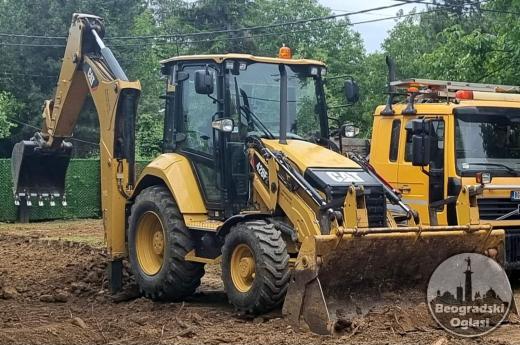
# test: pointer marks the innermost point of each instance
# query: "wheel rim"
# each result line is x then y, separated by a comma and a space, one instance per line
243, 268
150, 243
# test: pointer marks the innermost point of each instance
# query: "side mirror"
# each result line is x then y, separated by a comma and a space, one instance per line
349, 130
204, 82
351, 90
421, 145
223, 125
420, 130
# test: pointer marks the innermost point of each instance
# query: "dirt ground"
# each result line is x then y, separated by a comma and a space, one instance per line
53, 290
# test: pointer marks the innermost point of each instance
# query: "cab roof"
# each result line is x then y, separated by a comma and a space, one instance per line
444, 108
219, 58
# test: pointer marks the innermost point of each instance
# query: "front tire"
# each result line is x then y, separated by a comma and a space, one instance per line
255, 268
158, 241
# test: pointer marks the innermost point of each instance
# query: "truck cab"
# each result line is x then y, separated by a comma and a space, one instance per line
463, 135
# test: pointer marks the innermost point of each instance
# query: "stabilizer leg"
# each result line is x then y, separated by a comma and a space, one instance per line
115, 275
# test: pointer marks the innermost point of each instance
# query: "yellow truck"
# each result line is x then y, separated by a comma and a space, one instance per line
452, 150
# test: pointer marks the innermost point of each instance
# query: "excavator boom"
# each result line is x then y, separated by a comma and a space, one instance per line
39, 165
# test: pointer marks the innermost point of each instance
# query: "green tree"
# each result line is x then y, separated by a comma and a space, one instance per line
8, 108
29, 71
332, 41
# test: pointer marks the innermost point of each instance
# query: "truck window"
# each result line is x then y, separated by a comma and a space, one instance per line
408, 147
488, 139
394, 140
437, 152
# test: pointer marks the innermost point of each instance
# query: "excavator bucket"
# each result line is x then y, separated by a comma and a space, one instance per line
338, 278
39, 175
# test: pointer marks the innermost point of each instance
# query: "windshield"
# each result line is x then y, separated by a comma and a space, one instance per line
488, 141
258, 85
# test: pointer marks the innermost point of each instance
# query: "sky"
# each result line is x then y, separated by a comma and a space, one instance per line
372, 33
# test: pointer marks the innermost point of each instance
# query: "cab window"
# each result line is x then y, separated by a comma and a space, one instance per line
198, 111
394, 140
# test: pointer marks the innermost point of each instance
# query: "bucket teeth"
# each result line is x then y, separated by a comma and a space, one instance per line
42, 199
39, 173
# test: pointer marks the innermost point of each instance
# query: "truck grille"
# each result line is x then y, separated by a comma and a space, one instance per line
492, 208
512, 249
376, 206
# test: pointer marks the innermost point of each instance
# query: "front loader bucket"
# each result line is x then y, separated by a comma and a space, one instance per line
338, 278
39, 174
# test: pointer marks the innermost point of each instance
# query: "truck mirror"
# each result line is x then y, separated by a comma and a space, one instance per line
420, 130
165, 70
421, 144
351, 90
349, 130
204, 82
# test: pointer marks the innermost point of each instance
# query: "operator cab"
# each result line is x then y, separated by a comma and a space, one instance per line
215, 102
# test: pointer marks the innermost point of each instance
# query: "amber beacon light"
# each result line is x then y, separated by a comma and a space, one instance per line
285, 52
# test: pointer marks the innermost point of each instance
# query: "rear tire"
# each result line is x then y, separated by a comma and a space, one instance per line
158, 241
255, 267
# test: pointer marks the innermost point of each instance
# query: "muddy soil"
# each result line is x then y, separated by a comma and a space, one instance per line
53, 290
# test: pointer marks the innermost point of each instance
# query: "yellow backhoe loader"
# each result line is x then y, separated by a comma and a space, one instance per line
240, 183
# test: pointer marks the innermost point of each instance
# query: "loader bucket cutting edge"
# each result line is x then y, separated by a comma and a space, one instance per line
39, 172
336, 280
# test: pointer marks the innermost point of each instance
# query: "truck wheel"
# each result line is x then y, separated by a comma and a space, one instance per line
255, 267
157, 243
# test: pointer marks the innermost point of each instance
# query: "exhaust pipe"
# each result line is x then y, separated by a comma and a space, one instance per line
390, 63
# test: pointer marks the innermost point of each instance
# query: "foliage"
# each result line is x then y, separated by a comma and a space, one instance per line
30, 73
451, 39
8, 108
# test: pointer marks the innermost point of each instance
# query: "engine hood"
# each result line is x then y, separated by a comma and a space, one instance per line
308, 155
332, 174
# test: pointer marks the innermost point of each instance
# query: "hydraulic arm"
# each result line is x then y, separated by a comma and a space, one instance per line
39, 165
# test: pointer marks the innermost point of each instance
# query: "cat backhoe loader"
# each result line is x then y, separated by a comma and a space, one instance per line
240, 183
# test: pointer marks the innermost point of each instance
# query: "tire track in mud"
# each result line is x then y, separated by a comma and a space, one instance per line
55, 292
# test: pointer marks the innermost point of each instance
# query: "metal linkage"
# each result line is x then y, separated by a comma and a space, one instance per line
414, 229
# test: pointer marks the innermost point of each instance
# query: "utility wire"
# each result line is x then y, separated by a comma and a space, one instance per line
262, 27
243, 37
38, 129
253, 28
422, 2
32, 45
9, 74
32, 36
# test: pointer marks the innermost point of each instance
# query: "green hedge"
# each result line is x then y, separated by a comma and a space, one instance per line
82, 187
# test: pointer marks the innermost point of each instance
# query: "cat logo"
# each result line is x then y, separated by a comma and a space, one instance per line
344, 176
91, 77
